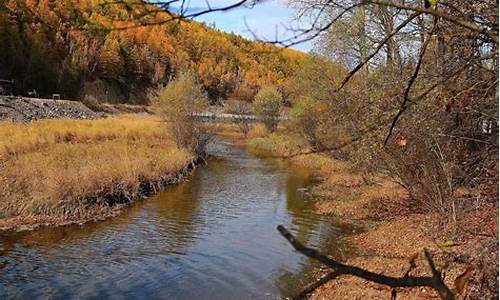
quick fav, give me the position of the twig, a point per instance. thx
(380, 45)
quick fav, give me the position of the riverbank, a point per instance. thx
(395, 229)
(57, 172)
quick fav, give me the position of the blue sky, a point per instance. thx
(265, 20)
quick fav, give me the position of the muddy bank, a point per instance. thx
(99, 207)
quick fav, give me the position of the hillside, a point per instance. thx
(82, 48)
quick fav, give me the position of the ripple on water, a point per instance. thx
(212, 237)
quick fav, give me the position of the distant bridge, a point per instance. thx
(229, 118)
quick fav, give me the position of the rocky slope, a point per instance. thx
(30, 109)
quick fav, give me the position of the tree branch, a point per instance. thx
(380, 46)
(311, 288)
(435, 281)
(406, 96)
(492, 34)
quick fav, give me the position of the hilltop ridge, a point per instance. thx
(93, 49)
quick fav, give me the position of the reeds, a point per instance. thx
(64, 167)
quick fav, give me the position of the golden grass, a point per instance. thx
(322, 163)
(258, 131)
(17, 138)
(344, 192)
(276, 144)
(232, 131)
(226, 130)
(54, 166)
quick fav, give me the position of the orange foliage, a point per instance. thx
(71, 42)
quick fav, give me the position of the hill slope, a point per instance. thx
(89, 48)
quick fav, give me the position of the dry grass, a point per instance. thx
(53, 167)
(232, 131)
(276, 144)
(261, 142)
(258, 131)
(394, 230)
(20, 138)
(227, 130)
(323, 165)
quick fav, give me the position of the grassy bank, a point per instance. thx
(60, 171)
(394, 228)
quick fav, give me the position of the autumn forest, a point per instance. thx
(146, 154)
(93, 48)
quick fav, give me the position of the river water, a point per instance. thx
(211, 237)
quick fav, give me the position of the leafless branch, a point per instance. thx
(490, 33)
(435, 281)
(406, 96)
(377, 49)
(301, 35)
(311, 288)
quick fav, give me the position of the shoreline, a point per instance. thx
(25, 109)
(394, 230)
(101, 207)
(63, 171)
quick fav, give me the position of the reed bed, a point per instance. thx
(69, 167)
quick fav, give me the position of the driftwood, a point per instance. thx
(435, 281)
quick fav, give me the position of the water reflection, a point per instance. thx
(212, 237)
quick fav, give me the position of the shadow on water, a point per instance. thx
(211, 237)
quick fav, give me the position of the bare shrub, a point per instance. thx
(267, 105)
(425, 172)
(315, 121)
(94, 104)
(241, 109)
(176, 104)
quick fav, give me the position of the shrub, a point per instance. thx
(267, 105)
(423, 170)
(92, 103)
(315, 121)
(241, 109)
(176, 104)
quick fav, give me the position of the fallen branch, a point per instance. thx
(435, 281)
(311, 288)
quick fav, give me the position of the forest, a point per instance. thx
(97, 49)
(375, 155)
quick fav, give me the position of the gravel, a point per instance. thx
(21, 109)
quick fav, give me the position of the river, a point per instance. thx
(211, 237)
